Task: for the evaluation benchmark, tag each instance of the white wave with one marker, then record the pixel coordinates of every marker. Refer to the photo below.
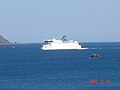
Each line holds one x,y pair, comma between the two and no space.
95,48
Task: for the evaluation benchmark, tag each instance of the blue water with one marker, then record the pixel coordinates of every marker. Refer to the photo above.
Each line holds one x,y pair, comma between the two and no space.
27,67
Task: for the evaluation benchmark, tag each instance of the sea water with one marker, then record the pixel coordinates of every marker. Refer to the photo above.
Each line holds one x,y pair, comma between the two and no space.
27,67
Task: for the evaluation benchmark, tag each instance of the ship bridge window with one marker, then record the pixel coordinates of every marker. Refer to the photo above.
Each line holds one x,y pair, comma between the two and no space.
48,41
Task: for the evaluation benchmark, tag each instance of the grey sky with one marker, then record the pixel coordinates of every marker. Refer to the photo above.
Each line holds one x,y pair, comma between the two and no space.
82,20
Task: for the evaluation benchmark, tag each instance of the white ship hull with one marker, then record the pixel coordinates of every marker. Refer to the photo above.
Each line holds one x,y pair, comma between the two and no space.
64,48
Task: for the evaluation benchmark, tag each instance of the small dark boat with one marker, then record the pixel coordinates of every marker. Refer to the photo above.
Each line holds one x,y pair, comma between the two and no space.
95,56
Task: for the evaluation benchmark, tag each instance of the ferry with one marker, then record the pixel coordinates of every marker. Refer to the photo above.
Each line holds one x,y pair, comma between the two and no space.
61,44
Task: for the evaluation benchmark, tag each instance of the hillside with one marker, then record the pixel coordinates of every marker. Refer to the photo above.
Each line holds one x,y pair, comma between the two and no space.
3,40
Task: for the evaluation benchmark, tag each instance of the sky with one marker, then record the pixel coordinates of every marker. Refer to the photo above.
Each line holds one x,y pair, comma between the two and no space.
32,21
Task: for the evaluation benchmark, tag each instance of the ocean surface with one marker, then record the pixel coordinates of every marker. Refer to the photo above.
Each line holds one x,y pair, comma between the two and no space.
27,67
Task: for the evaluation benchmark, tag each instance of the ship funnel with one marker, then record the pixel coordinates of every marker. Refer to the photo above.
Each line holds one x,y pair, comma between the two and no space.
64,38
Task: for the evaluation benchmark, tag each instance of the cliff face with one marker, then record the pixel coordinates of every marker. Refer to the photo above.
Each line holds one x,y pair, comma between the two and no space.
3,40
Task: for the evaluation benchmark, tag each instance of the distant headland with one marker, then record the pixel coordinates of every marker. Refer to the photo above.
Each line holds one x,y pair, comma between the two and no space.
3,40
